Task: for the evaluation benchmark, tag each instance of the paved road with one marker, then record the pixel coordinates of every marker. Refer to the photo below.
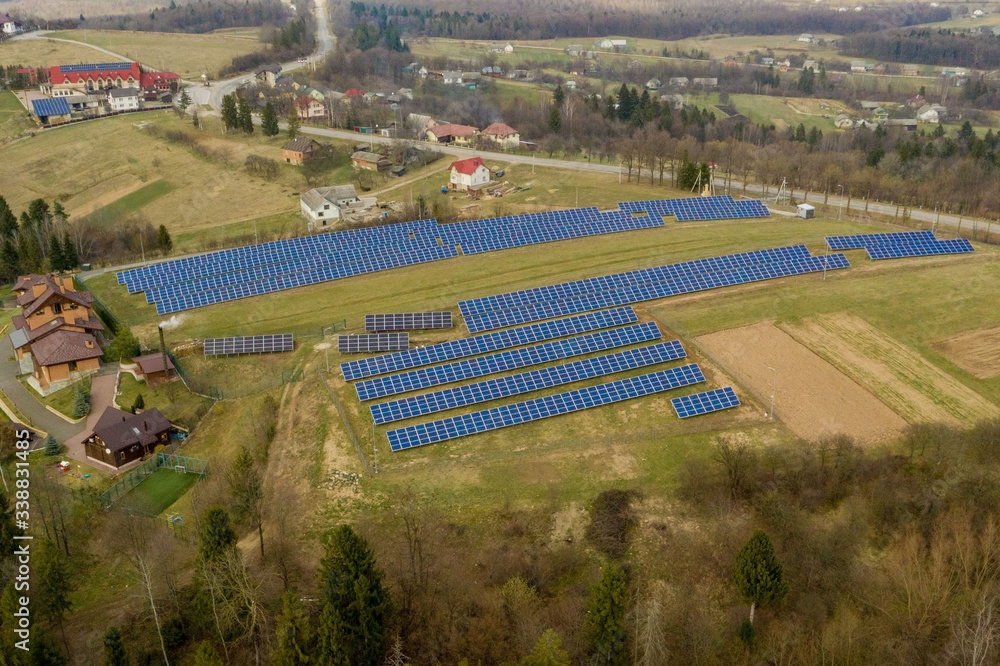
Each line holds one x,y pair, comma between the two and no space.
102,395
34,411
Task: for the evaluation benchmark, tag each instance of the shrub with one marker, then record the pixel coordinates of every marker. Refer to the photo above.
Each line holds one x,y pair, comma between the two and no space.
610,519
51,446
81,402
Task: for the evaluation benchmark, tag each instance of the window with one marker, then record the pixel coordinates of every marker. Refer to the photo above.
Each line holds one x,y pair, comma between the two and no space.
72,366
326,207
56,308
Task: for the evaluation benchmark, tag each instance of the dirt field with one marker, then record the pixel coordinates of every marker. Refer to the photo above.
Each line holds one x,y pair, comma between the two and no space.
813,398
909,384
976,352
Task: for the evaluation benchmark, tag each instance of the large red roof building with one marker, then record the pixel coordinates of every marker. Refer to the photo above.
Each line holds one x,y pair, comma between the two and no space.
72,79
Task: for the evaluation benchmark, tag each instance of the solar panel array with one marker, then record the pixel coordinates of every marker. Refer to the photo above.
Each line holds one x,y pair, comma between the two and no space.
533,380
409,321
380,387
56,106
700,208
372,342
95,67
704,403
540,408
250,344
226,275
516,308
900,244
488,342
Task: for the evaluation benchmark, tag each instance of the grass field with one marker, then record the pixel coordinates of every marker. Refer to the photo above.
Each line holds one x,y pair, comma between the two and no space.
14,120
177,403
186,54
132,202
46,53
62,400
160,489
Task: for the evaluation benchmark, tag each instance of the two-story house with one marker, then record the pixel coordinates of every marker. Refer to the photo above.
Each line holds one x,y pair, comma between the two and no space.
54,337
470,174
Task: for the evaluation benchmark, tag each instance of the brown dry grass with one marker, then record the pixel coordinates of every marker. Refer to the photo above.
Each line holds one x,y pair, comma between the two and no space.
813,398
913,387
976,352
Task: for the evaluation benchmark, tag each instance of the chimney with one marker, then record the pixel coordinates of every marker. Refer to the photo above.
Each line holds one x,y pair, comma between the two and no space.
163,352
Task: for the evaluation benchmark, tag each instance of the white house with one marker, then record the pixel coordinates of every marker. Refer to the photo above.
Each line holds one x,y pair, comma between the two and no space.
123,99
508,48
9,25
611,44
843,121
451,78
860,66
979,13
469,174
806,37
503,135
325,204
931,113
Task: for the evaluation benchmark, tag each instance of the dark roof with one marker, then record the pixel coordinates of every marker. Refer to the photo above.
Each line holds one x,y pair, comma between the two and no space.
120,430
52,326
150,363
29,303
301,144
56,106
365,156
123,92
271,67
63,346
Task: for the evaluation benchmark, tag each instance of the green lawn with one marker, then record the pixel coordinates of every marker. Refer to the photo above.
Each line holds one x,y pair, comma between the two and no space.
14,119
160,489
178,404
145,195
62,400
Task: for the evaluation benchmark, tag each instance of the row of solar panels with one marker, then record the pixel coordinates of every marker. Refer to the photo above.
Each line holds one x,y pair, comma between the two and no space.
700,208
900,244
249,344
372,342
408,321
258,269
549,304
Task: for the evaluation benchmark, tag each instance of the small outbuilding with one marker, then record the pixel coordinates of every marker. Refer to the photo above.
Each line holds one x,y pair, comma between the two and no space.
805,211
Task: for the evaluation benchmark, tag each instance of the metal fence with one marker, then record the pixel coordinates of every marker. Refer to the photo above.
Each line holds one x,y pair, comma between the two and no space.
201,387
139,474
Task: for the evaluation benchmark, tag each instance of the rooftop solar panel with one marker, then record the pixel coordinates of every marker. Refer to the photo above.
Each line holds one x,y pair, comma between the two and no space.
372,342
540,408
525,382
704,403
410,321
251,344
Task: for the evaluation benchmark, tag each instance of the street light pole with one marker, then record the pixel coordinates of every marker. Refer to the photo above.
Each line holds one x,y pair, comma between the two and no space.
774,388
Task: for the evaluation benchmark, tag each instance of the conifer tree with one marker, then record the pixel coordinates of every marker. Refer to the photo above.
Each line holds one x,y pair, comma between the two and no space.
114,648
230,114
607,606
56,260
294,633
269,120
71,259
293,124
758,574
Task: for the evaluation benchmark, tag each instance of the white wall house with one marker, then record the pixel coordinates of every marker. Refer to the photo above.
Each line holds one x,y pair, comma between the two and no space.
123,99
323,205
470,173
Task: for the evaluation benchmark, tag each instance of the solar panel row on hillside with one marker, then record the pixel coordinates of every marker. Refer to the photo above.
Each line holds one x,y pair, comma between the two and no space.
250,344
540,408
217,277
489,342
704,403
372,342
408,321
525,382
900,244
654,290
513,359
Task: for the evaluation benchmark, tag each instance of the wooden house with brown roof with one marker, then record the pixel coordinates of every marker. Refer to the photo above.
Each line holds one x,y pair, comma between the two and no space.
151,368
55,338
119,438
299,149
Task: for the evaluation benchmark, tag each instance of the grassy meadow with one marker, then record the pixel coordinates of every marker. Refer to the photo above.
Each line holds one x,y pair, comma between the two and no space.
46,53
14,119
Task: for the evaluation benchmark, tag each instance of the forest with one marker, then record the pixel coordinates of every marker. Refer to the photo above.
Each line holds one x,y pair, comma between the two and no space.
927,47
481,20
195,17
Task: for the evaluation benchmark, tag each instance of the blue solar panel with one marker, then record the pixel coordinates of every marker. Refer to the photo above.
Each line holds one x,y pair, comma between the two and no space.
900,244
380,387
525,382
95,67
488,342
56,106
860,241
703,403
540,408
650,291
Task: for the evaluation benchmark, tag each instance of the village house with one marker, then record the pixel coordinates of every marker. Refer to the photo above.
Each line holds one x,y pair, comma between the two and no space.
574,50
267,75
118,437
469,174
678,81
451,133
322,205
806,37
676,102
9,25
860,67
612,44
363,159
309,108
843,121
51,111
299,149
493,71
451,78
83,79
908,124
653,84
54,336
123,99
150,369
503,135
705,82
810,64
931,113
767,60
910,70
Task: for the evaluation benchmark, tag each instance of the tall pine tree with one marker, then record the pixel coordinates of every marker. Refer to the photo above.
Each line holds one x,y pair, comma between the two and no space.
8,221
57,262
294,633
293,123
70,258
607,607
114,648
357,608
230,114
758,574
269,120
244,115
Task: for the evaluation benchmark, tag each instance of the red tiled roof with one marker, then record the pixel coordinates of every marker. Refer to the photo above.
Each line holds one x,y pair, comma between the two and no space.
125,70
157,79
64,346
501,130
451,129
469,166
354,92
120,430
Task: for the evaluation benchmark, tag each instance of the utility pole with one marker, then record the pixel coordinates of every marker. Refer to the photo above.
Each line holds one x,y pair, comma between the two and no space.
774,388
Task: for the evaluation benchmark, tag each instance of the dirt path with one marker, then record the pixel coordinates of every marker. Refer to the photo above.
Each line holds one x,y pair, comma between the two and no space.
911,385
976,352
812,397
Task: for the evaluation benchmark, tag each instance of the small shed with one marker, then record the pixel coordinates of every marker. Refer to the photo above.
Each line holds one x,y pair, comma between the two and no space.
805,211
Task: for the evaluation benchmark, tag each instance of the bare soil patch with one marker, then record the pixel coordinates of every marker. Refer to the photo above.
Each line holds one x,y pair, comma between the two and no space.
812,397
976,352
911,385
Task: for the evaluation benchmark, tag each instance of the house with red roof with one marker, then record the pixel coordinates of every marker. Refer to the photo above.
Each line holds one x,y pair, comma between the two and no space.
469,174
503,135
72,79
353,93
309,107
451,133
54,337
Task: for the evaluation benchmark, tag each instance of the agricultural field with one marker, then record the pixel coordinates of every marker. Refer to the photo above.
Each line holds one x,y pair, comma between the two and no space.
186,54
38,52
789,112
14,120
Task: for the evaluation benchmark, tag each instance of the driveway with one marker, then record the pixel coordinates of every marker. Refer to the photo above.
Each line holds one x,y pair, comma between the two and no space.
36,414
102,395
